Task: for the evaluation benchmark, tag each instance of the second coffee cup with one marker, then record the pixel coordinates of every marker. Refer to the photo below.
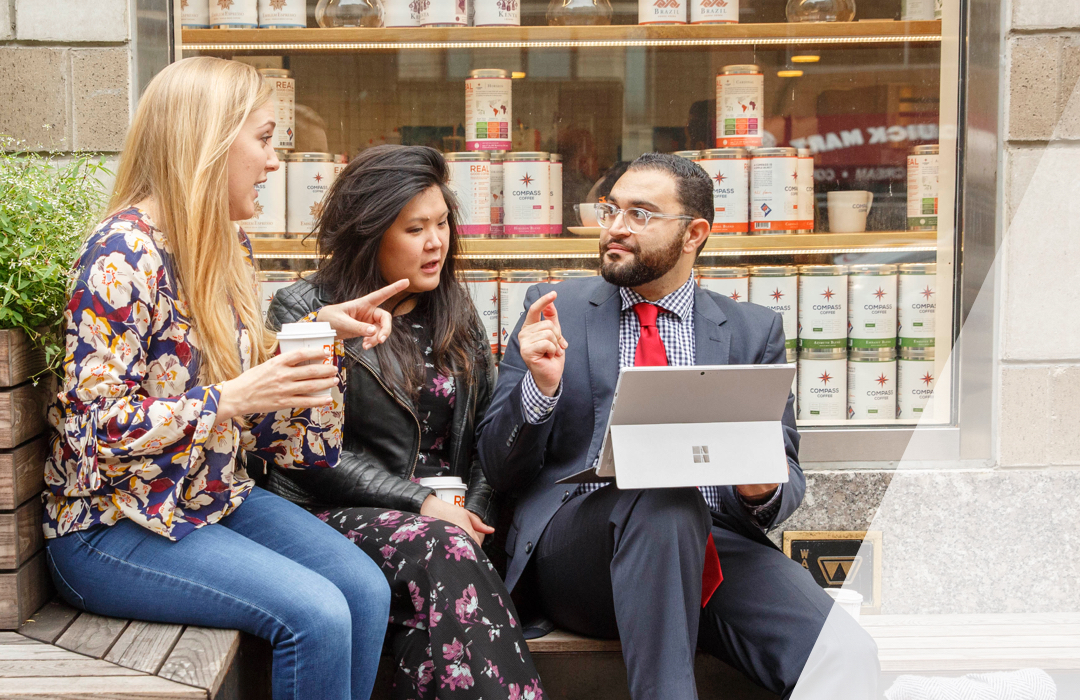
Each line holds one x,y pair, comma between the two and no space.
447,488
313,334
848,210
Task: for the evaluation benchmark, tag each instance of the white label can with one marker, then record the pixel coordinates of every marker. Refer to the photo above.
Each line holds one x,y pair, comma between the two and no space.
195,14
915,10
915,382
740,106
555,221
497,196
822,385
922,188
270,204
400,13
729,169
777,288
823,306
918,305
284,87
732,282
271,281
872,384
496,13
308,178
282,13
872,306
526,186
443,13
714,11
661,12
488,110
483,289
470,181
233,14
805,181
513,285
774,190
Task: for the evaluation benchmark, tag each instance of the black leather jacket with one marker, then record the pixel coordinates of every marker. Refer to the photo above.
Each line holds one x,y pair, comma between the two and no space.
381,430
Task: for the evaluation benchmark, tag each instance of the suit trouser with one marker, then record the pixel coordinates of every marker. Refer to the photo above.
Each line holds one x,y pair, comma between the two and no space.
627,565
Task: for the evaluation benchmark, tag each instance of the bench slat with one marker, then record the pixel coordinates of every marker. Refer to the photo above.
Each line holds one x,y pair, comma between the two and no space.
50,622
92,635
202,657
98,688
16,652
46,668
144,646
560,642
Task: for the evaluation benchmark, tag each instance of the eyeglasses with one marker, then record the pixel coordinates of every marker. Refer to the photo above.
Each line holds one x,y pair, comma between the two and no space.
635,219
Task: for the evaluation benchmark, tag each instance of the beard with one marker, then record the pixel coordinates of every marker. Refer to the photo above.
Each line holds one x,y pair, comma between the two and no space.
643,267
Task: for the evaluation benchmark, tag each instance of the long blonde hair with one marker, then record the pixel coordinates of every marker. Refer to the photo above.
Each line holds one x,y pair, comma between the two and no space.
176,152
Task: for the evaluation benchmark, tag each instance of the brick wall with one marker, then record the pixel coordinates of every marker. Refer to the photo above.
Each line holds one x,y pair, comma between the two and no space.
66,67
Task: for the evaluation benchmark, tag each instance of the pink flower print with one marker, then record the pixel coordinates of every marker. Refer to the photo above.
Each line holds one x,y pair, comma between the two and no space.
425,673
387,552
460,546
444,386
389,518
325,517
409,531
453,650
531,691
417,599
435,617
467,606
457,676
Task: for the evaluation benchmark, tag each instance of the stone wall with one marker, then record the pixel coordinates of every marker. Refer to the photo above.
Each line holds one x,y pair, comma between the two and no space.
66,67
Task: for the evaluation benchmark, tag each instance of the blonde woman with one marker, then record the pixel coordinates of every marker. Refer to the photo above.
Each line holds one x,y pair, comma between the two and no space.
170,382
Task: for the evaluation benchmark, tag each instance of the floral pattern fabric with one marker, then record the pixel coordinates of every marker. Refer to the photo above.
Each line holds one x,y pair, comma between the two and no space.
135,434
454,629
435,406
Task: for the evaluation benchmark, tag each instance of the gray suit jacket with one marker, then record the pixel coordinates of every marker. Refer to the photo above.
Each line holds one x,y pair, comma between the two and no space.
526,460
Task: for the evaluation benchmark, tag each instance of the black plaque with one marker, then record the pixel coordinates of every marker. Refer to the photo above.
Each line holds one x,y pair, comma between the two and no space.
839,558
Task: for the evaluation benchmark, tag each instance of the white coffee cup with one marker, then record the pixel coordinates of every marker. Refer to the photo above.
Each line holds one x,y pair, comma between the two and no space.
587,212
447,488
315,334
847,599
848,210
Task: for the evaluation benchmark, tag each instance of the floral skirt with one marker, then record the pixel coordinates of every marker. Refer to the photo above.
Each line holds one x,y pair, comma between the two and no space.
457,635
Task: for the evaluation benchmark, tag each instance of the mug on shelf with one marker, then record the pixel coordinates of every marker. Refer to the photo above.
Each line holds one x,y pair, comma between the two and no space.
848,210
587,213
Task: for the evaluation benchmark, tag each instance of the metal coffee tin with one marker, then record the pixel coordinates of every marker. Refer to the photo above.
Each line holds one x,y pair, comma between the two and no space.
483,289
823,301
805,182
729,169
733,282
774,190
274,14
915,379
555,208
445,13
488,110
400,13
871,306
527,189
234,14
513,285
871,384
666,12
497,195
308,179
740,106
922,188
270,281
917,292
776,287
269,218
284,87
822,384
195,14
470,181
496,13
714,12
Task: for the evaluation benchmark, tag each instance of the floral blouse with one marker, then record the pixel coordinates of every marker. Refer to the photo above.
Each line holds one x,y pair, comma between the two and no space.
136,436
435,406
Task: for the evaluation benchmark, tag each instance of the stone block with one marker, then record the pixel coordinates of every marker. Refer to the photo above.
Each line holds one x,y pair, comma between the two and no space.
1024,420
34,95
838,500
1045,14
102,108
1063,447
1068,126
72,20
7,20
1033,86
1020,166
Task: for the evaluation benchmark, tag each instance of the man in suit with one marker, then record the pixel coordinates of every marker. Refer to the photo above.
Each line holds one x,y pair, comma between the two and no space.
629,564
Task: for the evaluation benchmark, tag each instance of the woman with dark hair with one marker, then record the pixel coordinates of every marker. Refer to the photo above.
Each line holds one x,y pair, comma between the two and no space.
411,407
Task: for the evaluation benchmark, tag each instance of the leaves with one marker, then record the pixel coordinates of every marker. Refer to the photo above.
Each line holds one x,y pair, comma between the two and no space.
48,203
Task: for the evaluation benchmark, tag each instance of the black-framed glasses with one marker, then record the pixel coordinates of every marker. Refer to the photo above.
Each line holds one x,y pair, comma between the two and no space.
636,219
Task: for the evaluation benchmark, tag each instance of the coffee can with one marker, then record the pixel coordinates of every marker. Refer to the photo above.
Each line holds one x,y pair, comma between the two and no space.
274,14
917,312
714,11
488,110
822,384
308,178
805,182
871,306
513,285
195,14
774,190
269,219
776,287
917,10
284,87
483,289
733,282
496,13
729,169
527,189
470,181
922,188
555,222
823,307
871,384
561,274
443,13
401,13
689,155
270,281
740,105
915,377
497,195
662,11
234,14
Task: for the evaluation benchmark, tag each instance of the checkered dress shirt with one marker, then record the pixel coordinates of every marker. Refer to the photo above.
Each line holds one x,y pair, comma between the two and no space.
675,323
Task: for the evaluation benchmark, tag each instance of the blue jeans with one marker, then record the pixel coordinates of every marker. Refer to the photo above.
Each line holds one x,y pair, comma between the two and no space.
269,568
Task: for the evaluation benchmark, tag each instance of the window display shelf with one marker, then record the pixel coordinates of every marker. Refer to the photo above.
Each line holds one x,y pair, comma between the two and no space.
316,40
586,247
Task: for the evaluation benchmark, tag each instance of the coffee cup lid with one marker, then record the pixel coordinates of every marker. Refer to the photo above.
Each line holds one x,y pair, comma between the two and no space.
301,331
442,482
844,595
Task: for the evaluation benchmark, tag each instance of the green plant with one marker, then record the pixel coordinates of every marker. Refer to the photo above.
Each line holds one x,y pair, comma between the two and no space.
48,203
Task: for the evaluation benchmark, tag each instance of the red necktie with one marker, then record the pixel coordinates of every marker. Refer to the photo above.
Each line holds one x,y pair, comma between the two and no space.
650,352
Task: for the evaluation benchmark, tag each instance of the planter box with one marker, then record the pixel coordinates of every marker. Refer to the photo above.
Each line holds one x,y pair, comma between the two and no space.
22,413
23,592
21,473
21,536
19,358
